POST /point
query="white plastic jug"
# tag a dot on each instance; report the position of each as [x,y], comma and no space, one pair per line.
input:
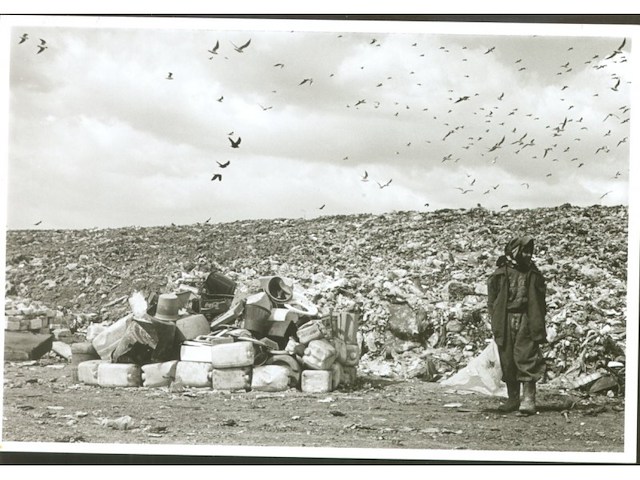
[88,372]
[195,352]
[308,332]
[319,355]
[315,381]
[119,375]
[231,378]
[293,366]
[193,374]
[232,355]
[270,378]
[159,374]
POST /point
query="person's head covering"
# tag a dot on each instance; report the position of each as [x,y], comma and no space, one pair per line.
[514,248]
[517,245]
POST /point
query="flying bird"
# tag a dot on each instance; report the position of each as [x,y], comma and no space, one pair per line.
[320,208]
[39,221]
[490,50]
[281,65]
[170,76]
[462,99]
[236,143]
[225,164]
[217,176]
[23,38]
[41,48]
[497,145]
[525,184]
[519,141]
[221,98]
[214,50]
[448,133]
[621,141]
[463,190]
[504,206]
[617,50]
[306,80]
[615,87]
[605,194]
[501,96]
[241,48]
[384,185]
[265,108]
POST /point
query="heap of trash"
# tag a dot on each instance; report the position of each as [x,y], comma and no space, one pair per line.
[207,333]
[416,280]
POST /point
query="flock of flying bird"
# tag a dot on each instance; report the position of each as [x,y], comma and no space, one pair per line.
[494,119]
[487,121]
[42,46]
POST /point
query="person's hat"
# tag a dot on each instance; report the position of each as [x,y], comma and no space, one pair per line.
[168,306]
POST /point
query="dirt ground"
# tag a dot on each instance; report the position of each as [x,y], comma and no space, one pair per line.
[43,404]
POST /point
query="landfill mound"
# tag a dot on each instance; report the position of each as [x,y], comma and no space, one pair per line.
[416,279]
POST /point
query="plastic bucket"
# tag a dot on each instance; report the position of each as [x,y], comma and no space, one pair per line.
[213,305]
[218,284]
[183,298]
[277,289]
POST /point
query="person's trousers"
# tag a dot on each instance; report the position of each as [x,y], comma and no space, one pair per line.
[520,357]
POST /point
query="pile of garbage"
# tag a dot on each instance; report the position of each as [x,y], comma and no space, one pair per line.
[417,280]
[216,336]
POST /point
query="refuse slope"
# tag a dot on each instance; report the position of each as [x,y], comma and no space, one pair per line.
[368,263]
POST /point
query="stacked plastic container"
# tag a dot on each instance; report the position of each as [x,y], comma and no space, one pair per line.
[328,362]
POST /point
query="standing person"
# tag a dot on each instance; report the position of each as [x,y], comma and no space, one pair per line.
[517,308]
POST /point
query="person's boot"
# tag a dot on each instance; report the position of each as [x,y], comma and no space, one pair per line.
[513,402]
[528,404]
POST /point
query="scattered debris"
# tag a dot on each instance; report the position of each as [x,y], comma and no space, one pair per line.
[433,264]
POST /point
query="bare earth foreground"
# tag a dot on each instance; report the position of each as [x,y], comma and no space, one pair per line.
[43,404]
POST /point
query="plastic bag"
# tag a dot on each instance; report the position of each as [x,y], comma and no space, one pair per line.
[146,341]
[483,374]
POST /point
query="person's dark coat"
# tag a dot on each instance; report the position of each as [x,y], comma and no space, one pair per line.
[536,305]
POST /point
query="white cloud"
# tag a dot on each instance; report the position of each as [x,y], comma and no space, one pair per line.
[100,136]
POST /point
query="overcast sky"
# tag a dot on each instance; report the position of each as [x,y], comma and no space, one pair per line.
[100,136]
